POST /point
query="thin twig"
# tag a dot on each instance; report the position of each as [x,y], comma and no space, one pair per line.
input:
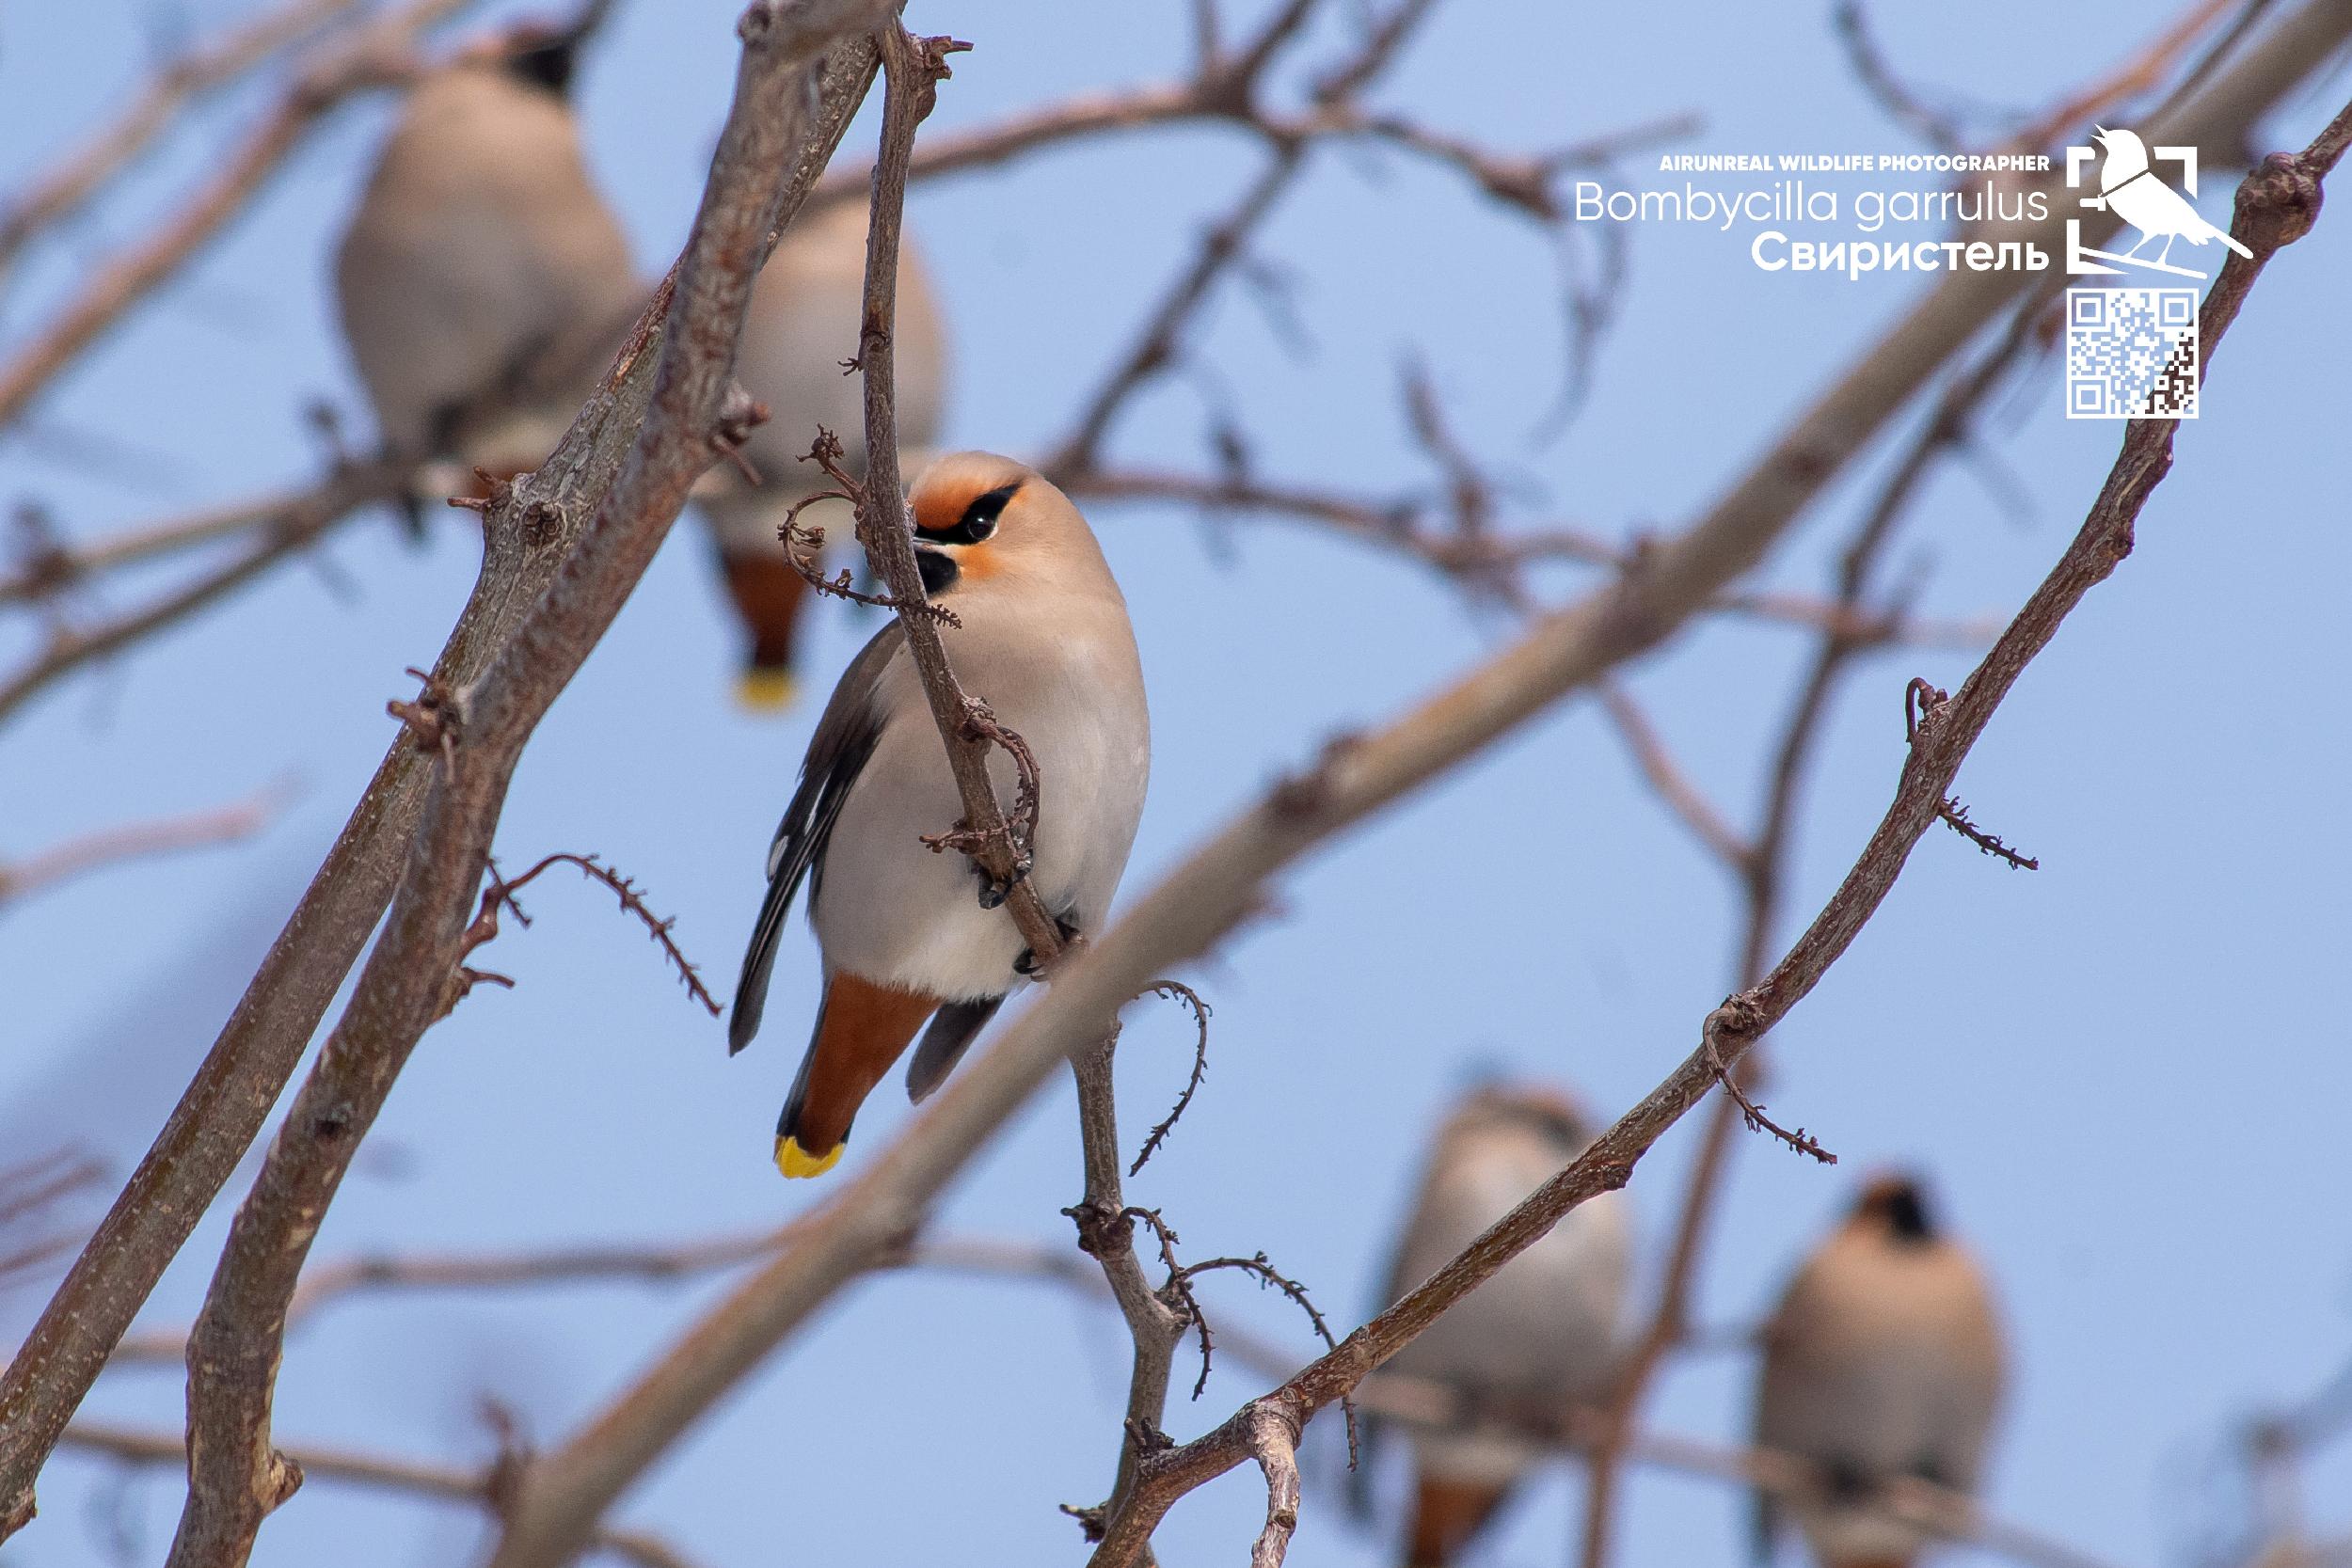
[117,285]
[1229,91]
[27,1191]
[195,76]
[501,893]
[138,841]
[1670,783]
[2140,73]
[1938,128]
[1400,525]
[483,1487]
[52,567]
[1955,817]
[803,541]
[296,524]
[1176,990]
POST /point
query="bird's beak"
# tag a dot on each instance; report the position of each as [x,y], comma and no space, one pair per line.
[2099,135]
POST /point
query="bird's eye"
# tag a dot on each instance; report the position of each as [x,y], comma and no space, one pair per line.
[979,518]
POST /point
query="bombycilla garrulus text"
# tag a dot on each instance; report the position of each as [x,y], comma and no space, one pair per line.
[1884,1358]
[1529,1344]
[801,328]
[1045,640]
[484,283]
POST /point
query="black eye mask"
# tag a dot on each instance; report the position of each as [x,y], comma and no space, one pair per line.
[979,518]
[548,64]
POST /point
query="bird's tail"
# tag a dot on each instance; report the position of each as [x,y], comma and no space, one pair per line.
[1446,1513]
[769,595]
[944,1042]
[862,1028]
[2231,241]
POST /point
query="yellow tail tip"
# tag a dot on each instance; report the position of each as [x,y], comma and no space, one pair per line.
[766,690]
[796,1162]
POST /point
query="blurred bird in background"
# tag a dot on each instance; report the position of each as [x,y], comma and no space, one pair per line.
[905,934]
[1538,1339]
[484,283]
[798,341]
[1884,1358]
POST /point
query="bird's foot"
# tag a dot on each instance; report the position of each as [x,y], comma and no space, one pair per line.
[1026,965]
[995,893]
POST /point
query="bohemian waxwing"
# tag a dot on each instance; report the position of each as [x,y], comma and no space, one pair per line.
[484,284]
[801,328]
[1531,1343]
[1884,1358]
[1044,640]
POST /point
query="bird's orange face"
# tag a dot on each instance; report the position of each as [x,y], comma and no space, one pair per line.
[955,515]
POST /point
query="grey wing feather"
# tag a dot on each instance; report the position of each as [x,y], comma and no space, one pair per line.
[837,752]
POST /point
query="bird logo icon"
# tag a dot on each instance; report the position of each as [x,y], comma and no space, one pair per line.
[2130,187]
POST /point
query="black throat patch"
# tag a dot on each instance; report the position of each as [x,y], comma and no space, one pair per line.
[939,570]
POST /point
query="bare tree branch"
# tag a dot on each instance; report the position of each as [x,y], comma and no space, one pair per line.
[1400,525]
[483,1487]
[1229,90]
[50,569]
[28,1190]
[499,895]
[291,527]
[358,63]
[2138,75]
[1558,654]
[1416,1402]
[2276,206]
[1939,127]
[1671,783]
[1221,246]
[528,540]
[195,76]
[1433,1405]
[1762,876]
[236,1477]
[136,841]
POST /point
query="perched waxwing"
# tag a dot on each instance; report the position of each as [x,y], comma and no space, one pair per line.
[802,329]
[1044,640]
[484,284]
[1531,1343]
[1884,1358]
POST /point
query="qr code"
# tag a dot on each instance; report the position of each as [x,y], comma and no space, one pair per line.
[2131,353]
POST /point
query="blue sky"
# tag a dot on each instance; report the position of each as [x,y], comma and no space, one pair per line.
[2126,1072]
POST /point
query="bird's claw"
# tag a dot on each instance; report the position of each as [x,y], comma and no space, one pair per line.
[1026,965]
[993,893]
